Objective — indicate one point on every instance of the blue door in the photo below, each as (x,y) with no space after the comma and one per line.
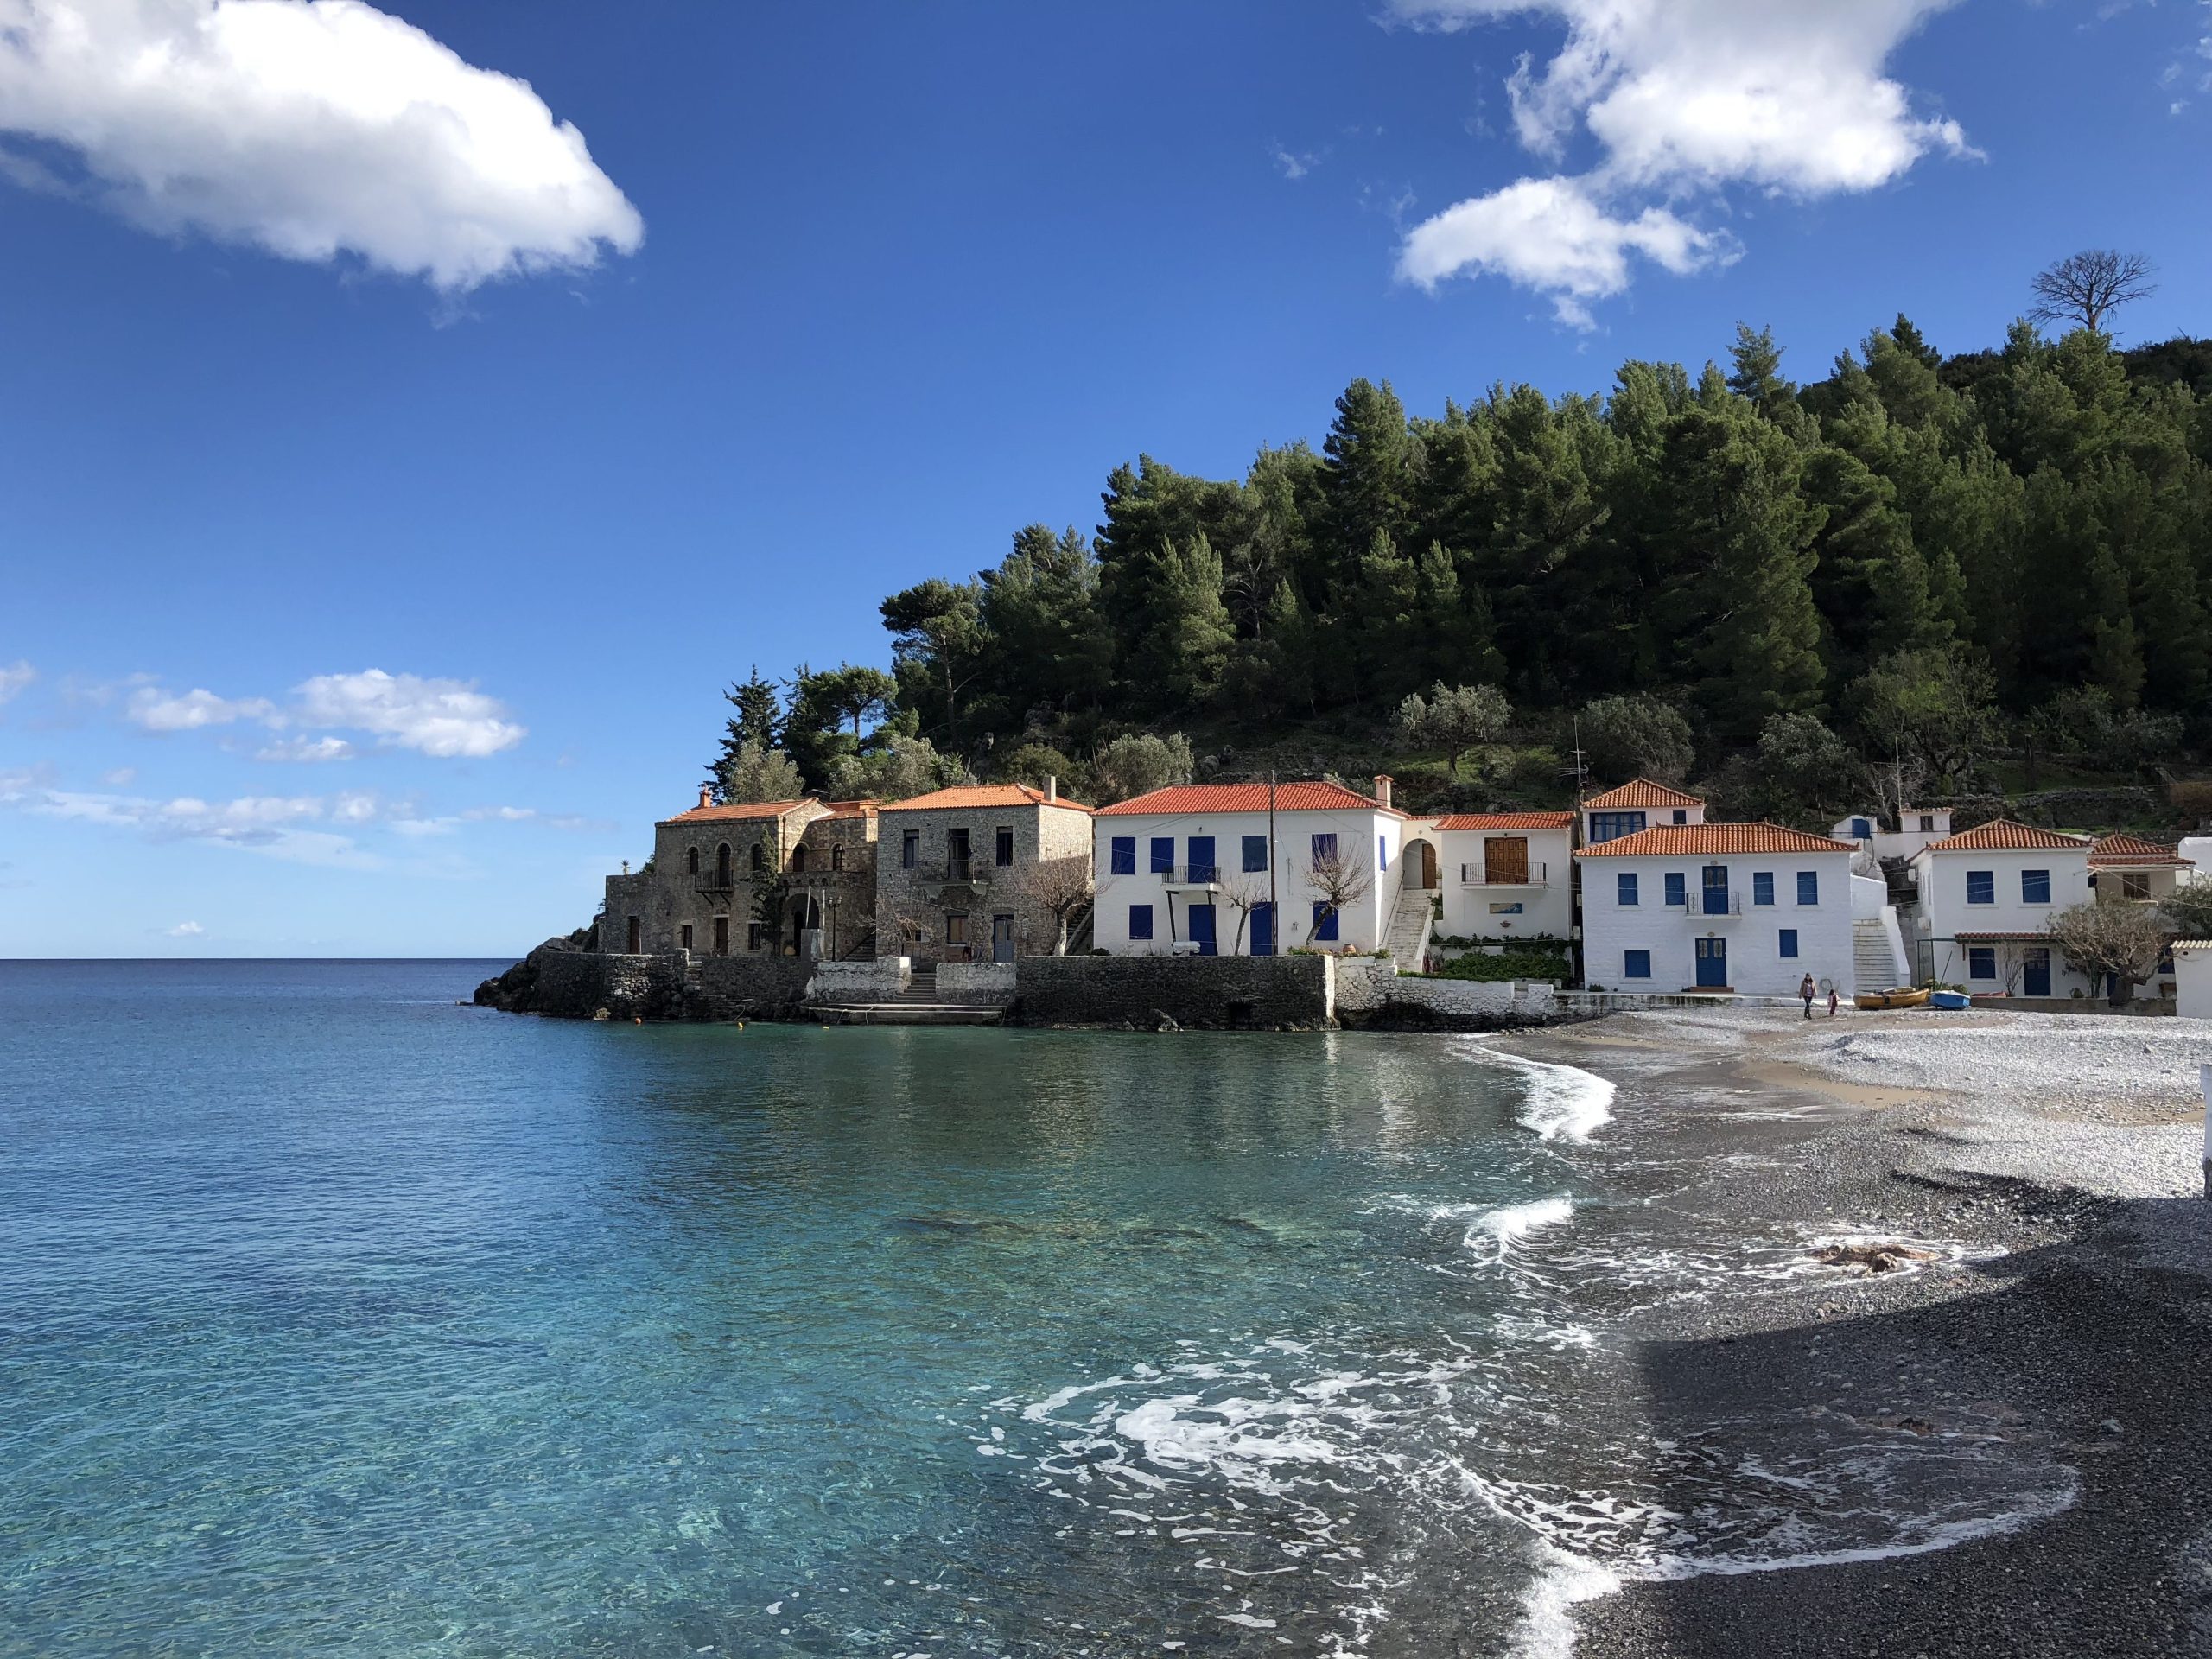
(1202,930)
(1716,889)
(1263,930)
(1712,963)
(2035,973)
(1203,869)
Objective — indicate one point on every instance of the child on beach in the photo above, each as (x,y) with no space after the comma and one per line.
(1832,1002)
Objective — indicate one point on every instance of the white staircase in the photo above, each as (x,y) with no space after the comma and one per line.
(1409,929)
(1874,964)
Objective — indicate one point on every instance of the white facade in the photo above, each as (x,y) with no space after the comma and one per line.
(1756,926)
(2193,979)
(1216,889)
(1983,917)
(1641,803)
(1503,878)
(1919,827)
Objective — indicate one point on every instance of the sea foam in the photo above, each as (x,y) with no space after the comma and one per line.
(1564,1103)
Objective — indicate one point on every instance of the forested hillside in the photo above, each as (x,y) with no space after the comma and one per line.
(1928,560)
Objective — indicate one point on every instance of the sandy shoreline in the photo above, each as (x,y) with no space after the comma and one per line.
(2072,1332)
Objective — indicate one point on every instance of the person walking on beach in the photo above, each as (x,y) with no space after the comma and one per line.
(1806,989)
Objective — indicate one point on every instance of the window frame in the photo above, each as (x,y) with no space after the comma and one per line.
(2027,895)
(1808,888)
(1255,846)
(1761,887)
(1785,944)
(1636,964)
(1982,962)
(1626,890)
(1988,880)
(1326,917)
(1676,885)
(1159,855)
(1141,913)
(1002,847)
(1121,856)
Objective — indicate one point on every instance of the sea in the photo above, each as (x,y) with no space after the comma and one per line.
(339,1316)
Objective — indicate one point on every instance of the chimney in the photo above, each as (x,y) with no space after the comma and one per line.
(706,794)
(1051,789)
(1382,788)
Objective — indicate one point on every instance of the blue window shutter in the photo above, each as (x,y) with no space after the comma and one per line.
(1636,964)
(1382,852)
(1982,962)
(1789,941)
(1325,920)
(1324,846)
(1140,921)
(1808,886)
(1163,854)
(2035,887)
(1981,887)
(1627,888)
(1677,888)
(1125,855)
(1763,887)
(1255,853)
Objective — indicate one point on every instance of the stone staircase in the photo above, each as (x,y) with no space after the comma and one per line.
(1873,966)
(918,1005)
(1409,929)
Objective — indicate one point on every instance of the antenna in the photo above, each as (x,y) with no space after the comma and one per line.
(1581,782)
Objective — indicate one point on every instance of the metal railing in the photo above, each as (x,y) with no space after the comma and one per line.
(1190,875)
(1701,901)
(1535,875)
(969,870)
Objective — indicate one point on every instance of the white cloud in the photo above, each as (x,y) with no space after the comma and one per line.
(14,677)
(187,930)
(445,718)
(1295,165)
(1683,99)
(161,711)
(311,128)
(276,825)
(306,749)
(121,777)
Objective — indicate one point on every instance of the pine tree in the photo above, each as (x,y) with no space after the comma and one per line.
(1184,654)
(1370,475)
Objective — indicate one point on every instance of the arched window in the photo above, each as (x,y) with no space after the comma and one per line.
(798,859)
(691,861)
(837,857)
(722,865)
(759,857)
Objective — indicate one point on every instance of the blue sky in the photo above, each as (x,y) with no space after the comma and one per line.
(456,471)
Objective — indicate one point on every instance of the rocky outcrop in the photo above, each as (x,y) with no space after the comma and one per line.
(516,991)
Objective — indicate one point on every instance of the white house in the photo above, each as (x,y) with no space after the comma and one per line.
(1210,868)
(1640,804)
(2193,979)
(1749,907)
(1916,827)
(1507,875)
(1987,898)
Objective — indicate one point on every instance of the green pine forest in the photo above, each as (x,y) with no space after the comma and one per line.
(1916,576)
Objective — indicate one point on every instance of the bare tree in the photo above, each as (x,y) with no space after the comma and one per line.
(1061,888)
(2085,288)
(1342,882)
(2125,943)
(1243,894)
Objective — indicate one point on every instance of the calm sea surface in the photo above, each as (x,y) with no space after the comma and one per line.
(335,1318)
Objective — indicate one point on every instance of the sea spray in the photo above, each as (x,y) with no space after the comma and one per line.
(1563,1103)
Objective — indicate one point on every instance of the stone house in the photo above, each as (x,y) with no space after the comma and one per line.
(970,873)
(701,891)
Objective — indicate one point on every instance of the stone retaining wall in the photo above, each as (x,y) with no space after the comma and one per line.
(981,984)
(858,984)
(1264,992)
(747,987)
(580,984)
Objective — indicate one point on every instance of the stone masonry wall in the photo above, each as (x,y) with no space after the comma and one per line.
(925,895)
(981,984)
(1268,993)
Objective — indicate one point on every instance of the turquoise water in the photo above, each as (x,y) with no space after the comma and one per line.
(335,1318)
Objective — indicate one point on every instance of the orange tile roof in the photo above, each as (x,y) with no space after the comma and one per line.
(1304,797)
(2133,852)
(1640,792)
(1691,840)
(738,810)
(1507,821)
(859,808)
(2003,836)
(979,796)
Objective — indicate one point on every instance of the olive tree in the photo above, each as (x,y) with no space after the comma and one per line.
(2121,942)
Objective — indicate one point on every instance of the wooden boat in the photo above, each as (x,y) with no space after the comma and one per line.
(1949,1000)
(1902,997)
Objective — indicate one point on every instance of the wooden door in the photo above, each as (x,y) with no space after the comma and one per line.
(1506,860)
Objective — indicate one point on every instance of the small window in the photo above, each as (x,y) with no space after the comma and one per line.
(690,861)
(2134,884)
(910,850)
(955,927)
(1763,887)
(1325,850)
(1382,852)
(1982,962)
(1808,886)
(1002,847)
(1681,815)
(1981,887)
(1636,964)
(683,935)
(1611,826)
(1678,888)
(1255,853)
(760,856)
(2035,887)
(838,857)
(1140,921)
(1163,854)
(1861,829)
(1324,916)
(1789,947)
(752,934)
(1123,855)
(1625,891)
(1928,822)
(798,859)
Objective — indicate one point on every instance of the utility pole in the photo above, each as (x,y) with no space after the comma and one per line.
(1275,857)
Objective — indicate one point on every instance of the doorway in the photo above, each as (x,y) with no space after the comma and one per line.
(1712,964)
(1001,938)
(636,942)
(1263,930)
(1506,860)
(1201,933)
(1425,868)
(2035,972)
(722,936)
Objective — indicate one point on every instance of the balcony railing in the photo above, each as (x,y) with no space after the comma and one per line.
(1709,902)
(1190,875)
(1475,875)
(970,871)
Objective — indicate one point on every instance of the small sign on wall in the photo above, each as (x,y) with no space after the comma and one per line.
(1513,909)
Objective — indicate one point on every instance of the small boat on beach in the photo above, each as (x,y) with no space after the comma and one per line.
(1902,997)
(1949,1000)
